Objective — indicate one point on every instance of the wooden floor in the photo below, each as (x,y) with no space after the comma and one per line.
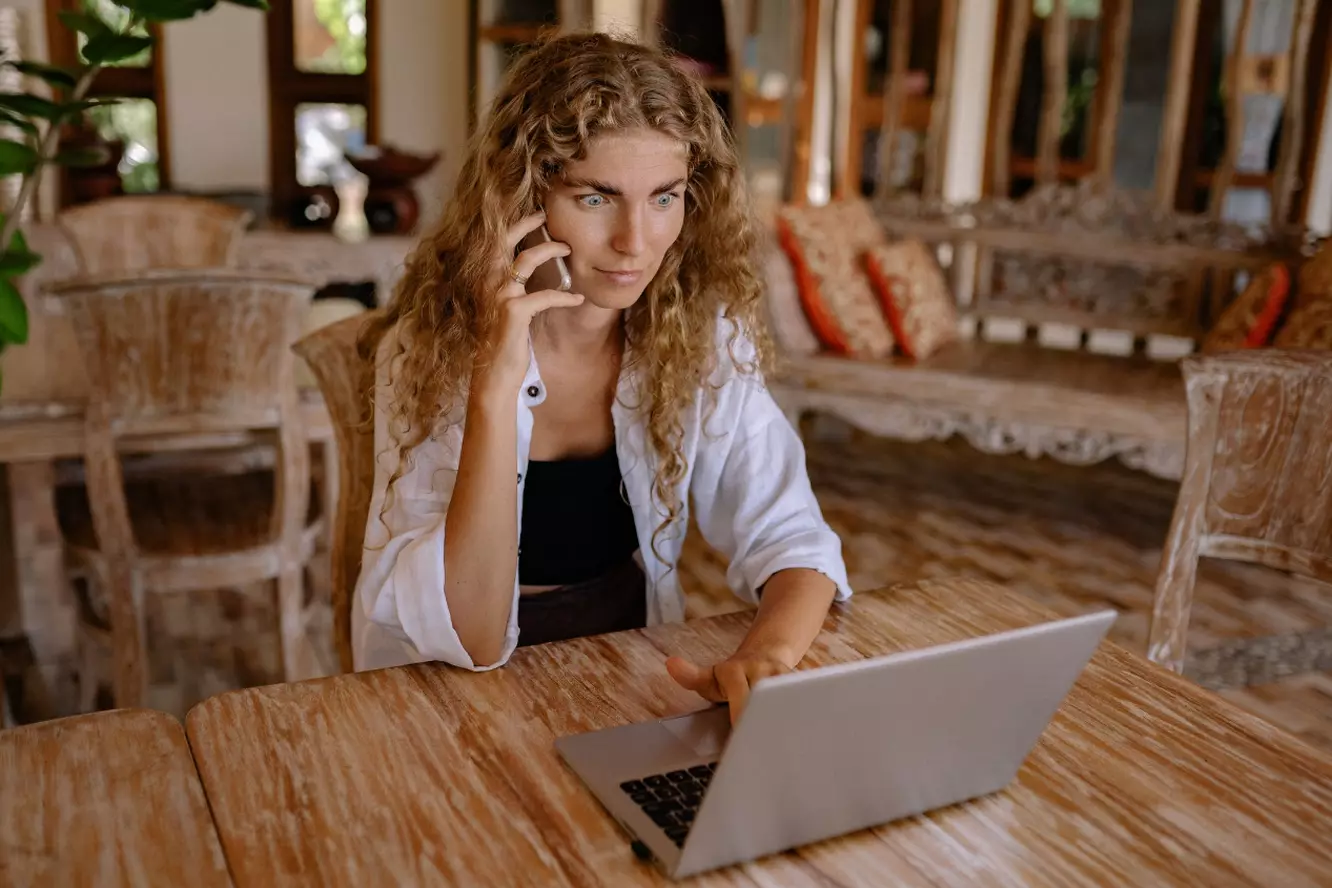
(1072,538)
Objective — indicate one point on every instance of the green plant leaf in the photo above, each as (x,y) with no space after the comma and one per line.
(29,105)
(13,314)
(168,10)
(16,157)
(95,155)
(19,121)
(53,75)
(106,49)
(251,4)
(85,23)
(18,261)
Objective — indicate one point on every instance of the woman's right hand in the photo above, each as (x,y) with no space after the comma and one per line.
(505,352)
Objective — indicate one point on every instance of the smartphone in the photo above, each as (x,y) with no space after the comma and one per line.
(552,275)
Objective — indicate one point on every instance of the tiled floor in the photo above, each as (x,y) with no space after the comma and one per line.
(1072,538)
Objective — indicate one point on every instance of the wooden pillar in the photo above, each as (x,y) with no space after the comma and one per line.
(894,90)
(1176,111)
(1234,93)
(1110,87)
(1010,76)
(1055,41)
(1292,134)
(941,102)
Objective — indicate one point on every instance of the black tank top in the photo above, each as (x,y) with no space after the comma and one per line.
(577,525)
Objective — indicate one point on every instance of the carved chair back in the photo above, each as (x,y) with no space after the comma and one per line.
(1257,481)
(133,232)
(181,356)
(345,378)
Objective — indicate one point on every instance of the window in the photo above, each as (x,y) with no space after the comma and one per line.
(135,128)
(320,78)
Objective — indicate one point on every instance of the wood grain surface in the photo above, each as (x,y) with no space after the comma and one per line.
(430,775)
(105,799)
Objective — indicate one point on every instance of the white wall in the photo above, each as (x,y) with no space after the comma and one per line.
(1320,202)
(423,87)
(619,17)
(217,100)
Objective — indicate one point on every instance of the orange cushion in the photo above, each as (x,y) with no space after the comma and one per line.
(1250,320)
(914,294)
(824,245)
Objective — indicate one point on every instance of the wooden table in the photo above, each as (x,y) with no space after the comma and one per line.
(105,799)
(427,775)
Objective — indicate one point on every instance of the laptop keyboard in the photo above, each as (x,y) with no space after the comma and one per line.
(671,799)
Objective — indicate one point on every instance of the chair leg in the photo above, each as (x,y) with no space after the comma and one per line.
(128,635)
(298,661)
(1167,640)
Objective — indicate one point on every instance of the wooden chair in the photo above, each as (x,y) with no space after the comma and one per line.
(346,377)
(171,357)
(134,232)
(1257,488)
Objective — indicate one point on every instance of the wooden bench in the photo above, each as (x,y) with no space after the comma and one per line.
(1075,307)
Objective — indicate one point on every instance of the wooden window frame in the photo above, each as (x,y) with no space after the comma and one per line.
(289,87)
(148,82)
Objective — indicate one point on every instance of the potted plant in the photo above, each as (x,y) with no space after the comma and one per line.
(51,128)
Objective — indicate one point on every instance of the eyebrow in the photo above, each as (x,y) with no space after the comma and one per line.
(612,191)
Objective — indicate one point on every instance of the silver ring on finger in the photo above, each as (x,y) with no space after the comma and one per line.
(516,276)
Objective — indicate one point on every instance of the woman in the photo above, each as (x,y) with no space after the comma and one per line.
(536,451)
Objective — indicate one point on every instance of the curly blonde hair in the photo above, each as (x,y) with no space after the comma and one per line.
(554,101)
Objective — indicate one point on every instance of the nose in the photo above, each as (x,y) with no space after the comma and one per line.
(629,236)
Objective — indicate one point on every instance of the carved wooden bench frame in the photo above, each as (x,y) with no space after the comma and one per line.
(1070,280)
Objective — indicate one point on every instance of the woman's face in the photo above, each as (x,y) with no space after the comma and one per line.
(619,210)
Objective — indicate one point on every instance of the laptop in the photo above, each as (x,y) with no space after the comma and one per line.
(824,752)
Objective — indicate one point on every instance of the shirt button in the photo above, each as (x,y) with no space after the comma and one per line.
(520,477)
(533,391)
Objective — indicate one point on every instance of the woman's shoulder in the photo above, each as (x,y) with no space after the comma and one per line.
(391,353)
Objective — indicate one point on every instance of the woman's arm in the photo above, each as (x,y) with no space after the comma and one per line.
(481,530)
(754,503)
(482,524)
(458,503)
(790,614)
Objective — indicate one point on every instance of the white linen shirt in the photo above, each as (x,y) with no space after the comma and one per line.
(746,474)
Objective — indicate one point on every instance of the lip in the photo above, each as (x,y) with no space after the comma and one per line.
(621,277)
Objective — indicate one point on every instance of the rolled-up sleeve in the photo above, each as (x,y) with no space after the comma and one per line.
(752,494)
(401,585)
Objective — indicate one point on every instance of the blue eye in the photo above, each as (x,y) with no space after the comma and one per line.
(665,200)
(587,200)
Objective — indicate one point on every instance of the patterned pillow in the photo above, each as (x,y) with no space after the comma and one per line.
(1251,319)
(786,316)
(1309,326)
(825,244)
(1315,281)
(914,295)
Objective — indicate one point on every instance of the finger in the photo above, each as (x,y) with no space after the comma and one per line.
(734,684)
(529,260)
(533,304)
(693,678)
(521,229)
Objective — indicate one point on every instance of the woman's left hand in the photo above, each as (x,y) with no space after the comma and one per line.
(729,681)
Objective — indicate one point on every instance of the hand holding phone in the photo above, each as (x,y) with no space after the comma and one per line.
(551,275)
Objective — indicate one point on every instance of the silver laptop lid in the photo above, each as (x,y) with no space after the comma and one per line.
(824,752)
